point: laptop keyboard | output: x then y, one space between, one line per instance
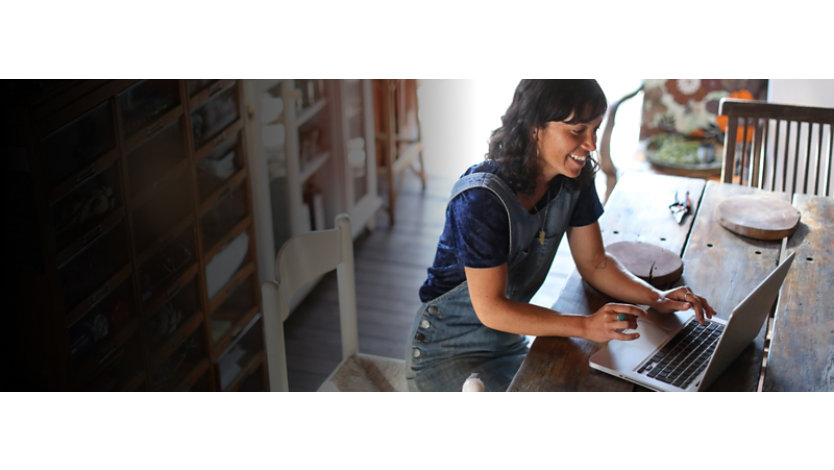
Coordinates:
686 355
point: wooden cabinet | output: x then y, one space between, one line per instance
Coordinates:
313 146
140 269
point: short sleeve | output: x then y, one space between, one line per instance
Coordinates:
481 228
588 207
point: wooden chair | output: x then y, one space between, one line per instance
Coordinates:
778 147
398 134
606 164
303 259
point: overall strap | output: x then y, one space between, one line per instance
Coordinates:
493 183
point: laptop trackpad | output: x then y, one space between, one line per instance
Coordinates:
654 330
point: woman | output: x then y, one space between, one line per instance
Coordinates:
504 222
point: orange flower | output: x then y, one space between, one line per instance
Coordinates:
722 120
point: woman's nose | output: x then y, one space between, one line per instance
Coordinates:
590 143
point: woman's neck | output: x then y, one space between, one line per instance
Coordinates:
529 201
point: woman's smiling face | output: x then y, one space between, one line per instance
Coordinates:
564 148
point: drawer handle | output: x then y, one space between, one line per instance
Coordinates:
86 175
216 88
93 234
101 294
155 128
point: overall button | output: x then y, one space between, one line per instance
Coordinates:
421 337
425 324
433 309
416 353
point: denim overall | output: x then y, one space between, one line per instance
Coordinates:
448 341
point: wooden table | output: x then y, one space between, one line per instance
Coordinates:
721 266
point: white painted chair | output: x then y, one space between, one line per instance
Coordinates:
301 260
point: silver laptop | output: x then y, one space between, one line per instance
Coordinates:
674 353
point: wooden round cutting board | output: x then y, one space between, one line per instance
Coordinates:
656 265
757 216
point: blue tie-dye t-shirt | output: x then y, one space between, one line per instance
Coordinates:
476 232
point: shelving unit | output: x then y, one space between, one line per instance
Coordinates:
312 158
143 271
398 132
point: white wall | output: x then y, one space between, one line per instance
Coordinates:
457 117
802 92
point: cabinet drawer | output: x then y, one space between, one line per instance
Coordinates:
180 363
197 85
153 159
83 214
217 222
144 103
71 148
94 266
210 118
115 371
162 210
103 325
228 318
219 166
182 307
242 355
162 275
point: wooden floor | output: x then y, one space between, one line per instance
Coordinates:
391 264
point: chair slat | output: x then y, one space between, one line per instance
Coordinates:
808 159
830 161
820 171
795 179
776 147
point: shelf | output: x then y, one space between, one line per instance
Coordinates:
223 191
172 290
164 240
174 341
70 184
235 281
192 378
209 92
122 225
183 365
251 367
89 237
89 365
239 228
148 131
225 359
93 299
234 332
313 166
310 112
167 178
133 383
226 133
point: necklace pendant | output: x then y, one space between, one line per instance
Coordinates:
541 237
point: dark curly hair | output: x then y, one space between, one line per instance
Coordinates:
535 103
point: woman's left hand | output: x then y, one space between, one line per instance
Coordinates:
682 298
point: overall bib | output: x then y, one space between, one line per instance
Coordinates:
447 341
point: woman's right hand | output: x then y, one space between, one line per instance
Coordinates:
605 324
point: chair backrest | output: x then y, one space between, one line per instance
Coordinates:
778 147
303 259
606 164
